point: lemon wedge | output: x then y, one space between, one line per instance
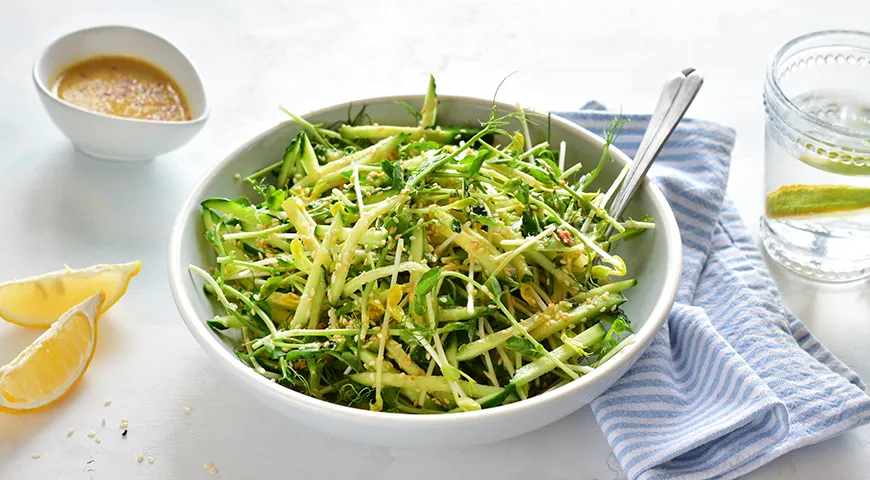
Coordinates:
39 301
51 366
805 200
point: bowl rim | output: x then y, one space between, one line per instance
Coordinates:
259 384
45 91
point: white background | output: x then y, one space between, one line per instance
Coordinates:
61 207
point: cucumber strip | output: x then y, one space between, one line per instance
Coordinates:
430 106
588 338
441 135
311 302
543 324
382 272
307 156
529 372
288 166
432 384
342 266
326 181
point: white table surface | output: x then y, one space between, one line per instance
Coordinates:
62 207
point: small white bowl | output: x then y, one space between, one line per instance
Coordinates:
111 137
655 259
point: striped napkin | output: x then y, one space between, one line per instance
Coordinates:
733 380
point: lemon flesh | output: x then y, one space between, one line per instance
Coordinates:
47 369
39 301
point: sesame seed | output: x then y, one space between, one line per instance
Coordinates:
70 432
603 309
237 176
98 440
35 456
92 434
103 421
187 410
212 471
150 459
139 458
107 403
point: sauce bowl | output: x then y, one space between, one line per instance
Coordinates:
112 137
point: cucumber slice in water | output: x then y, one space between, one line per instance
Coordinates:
803 200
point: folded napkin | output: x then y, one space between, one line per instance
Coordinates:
733 380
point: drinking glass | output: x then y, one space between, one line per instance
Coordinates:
816 220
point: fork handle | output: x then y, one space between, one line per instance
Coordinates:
677 95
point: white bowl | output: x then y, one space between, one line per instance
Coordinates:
654 259
111 137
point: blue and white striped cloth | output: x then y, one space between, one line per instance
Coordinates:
733 380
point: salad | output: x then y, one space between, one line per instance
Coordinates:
424 269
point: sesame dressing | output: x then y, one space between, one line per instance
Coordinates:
123 87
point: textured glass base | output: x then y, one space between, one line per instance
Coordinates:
815 256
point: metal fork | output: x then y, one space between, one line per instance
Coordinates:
677 95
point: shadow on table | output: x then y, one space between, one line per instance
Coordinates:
15 338
841 457
16 430
809 299
838 314
90 205
244 439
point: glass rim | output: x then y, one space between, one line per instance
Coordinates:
782 97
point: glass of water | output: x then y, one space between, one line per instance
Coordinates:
816 220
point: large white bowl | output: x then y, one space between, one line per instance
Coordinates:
654 259
112 137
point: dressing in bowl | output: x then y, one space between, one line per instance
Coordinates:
121 93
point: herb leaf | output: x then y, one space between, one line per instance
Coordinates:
395 173
270 287
412 330
530 226
522 346
519 190
424 286
428 281
475 162
619 326
410 109
542 175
